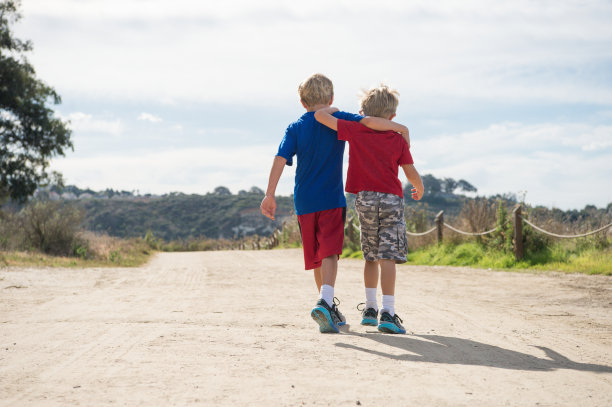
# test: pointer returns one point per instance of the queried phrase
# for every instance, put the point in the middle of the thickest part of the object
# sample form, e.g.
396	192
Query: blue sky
188	95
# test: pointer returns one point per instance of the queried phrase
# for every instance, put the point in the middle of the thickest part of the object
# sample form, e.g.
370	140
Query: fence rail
518	219
565	236
518	230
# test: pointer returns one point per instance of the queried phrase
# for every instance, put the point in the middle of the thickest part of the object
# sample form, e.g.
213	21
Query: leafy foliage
29	133
183	217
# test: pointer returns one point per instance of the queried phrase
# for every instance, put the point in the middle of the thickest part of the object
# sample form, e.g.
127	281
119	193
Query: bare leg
317	277
329	270
370	274
387	277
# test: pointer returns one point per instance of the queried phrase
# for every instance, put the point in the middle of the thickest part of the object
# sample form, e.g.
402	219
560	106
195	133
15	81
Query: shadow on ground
450	350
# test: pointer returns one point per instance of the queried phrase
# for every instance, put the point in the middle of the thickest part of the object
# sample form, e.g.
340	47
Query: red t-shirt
374	158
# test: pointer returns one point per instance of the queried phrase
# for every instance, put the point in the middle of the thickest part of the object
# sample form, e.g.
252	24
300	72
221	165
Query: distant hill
221	214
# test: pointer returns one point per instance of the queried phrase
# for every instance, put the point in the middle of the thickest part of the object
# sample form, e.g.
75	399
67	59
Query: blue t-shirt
318	177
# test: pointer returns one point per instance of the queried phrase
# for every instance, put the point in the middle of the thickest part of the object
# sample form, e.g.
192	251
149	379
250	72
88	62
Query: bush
52	227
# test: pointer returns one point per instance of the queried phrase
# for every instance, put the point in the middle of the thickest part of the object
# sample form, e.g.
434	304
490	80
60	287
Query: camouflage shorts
383	229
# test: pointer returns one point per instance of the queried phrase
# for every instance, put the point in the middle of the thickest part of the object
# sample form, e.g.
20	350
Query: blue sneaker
369	316
328	318
390	324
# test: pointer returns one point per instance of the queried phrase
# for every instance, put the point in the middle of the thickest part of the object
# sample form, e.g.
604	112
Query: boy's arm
268	204
324	116
380	124
415	179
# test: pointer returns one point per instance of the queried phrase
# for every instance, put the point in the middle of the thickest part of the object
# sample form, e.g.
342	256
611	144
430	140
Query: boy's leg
366	205
317	277
329	271
369	313
387	283
390	322
391	250
329	236
370	279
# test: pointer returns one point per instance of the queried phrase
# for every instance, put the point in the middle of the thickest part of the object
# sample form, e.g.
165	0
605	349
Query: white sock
371	298
388	304
327	293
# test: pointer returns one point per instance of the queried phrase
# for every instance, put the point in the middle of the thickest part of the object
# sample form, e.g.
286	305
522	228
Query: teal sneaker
341	317
327	317
369	316
390	324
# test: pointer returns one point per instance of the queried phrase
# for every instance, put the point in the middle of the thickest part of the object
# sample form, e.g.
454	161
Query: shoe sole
322	317
390	329
369	322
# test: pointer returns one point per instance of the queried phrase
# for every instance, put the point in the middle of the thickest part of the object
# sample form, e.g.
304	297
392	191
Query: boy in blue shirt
318	193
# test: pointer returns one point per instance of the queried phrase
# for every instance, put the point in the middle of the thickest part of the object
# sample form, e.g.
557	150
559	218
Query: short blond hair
381	101
315	90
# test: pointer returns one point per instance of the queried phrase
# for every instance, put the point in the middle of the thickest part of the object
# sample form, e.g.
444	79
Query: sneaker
390	324
369	316
326	316
341	317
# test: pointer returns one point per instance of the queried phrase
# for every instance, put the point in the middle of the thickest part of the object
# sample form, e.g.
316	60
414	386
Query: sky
514	97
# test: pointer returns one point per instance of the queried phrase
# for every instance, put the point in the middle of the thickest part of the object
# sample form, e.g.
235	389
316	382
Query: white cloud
83	122
559	165
245	52
193	170
149	117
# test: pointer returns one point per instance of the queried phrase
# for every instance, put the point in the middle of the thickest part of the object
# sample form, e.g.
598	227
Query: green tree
222	191
29	133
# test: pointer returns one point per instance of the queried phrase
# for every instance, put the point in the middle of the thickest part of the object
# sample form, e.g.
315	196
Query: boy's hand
417	194
268	206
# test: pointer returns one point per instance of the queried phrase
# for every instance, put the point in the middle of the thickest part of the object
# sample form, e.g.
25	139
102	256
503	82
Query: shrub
51	227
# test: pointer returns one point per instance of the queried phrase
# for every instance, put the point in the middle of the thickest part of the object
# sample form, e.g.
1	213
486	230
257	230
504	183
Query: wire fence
518	237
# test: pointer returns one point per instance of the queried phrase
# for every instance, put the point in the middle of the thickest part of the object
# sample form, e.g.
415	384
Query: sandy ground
234	328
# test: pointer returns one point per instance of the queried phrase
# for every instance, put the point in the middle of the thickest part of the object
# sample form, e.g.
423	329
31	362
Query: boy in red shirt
374	158
318	194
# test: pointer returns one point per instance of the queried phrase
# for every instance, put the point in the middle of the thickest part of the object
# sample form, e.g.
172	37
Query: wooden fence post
518	233
440	225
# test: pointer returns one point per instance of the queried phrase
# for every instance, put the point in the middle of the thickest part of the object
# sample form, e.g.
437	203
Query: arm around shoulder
380	124
324	116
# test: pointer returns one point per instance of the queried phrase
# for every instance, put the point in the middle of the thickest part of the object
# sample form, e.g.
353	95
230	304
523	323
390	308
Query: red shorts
322	235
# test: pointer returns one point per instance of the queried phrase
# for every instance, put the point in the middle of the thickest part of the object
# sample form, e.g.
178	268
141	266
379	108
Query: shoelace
361	303
336	301
397	317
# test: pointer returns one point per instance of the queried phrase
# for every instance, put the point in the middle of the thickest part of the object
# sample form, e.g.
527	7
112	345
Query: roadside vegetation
46	233
591	255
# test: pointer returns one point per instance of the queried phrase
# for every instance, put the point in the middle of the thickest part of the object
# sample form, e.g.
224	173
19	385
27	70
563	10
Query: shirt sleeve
346	129
405	156
351	117
288	146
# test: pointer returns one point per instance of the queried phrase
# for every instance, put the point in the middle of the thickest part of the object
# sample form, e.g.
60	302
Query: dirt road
233	328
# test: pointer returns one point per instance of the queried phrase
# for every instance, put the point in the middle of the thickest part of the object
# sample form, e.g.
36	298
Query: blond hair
381	101
315	90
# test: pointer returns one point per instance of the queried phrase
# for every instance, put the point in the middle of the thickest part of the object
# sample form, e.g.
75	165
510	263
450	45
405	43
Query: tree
432	184
449	185
256	191
223	191
466	186
29	133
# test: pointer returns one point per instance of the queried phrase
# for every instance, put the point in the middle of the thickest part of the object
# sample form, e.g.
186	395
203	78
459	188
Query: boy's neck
316	107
